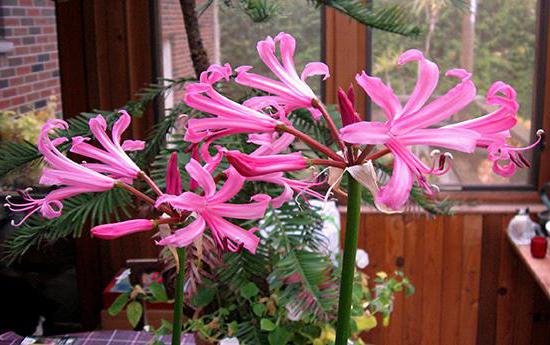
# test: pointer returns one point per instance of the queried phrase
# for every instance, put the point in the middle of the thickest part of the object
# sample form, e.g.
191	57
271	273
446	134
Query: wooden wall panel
345	48
471	288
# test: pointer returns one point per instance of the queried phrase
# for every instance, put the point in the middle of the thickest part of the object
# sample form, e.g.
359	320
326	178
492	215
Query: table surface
539	268
116	337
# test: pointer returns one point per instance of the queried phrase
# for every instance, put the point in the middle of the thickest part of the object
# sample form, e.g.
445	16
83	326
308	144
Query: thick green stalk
348	261
178	292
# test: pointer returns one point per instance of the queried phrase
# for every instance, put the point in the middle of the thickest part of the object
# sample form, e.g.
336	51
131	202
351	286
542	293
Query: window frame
337	28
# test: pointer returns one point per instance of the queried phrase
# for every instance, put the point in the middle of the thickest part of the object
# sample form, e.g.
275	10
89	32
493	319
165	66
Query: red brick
24	89
33	12
9	92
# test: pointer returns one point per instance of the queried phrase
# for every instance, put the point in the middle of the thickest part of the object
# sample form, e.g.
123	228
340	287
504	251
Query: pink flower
116	230
252	165
410	125
212	208
494	129
347	107
113	159
60	171
291	90
230	117
173	177
265	164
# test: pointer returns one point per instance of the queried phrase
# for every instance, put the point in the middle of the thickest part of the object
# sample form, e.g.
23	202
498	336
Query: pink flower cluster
265	119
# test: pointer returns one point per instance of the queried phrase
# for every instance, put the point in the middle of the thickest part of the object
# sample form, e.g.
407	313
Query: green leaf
280	336
134	311
259	309
267	325
118	304
249	290
158	291
203	297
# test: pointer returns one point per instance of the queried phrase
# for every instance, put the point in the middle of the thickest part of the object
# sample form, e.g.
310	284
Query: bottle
521	228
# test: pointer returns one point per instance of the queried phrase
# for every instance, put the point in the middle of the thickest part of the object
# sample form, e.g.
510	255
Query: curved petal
287	47
315	68
202	176
285	196
116	230
230	188
380	93
133	145
505	170
428	76
464	140
443	107
397	191
253	210
187	201
185	236
120	126
364	132
223	229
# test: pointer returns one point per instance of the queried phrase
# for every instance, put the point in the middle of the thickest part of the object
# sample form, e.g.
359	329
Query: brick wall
173	31
29	73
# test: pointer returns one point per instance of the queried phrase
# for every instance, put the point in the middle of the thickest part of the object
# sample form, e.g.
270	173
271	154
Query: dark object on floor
105	338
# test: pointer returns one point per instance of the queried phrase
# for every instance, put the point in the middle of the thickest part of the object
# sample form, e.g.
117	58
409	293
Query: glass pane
238	35
496	41
29	77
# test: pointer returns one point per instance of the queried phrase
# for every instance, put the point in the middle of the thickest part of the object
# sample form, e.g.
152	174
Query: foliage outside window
496	40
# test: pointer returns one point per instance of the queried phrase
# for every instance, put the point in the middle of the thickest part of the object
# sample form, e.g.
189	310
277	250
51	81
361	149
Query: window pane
29	76
238	35
495	42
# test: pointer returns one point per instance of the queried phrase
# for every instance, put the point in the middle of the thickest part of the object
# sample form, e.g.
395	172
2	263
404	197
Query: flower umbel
72	178
290	91
211	209
112	160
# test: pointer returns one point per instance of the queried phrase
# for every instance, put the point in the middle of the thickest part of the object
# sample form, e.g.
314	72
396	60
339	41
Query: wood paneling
346	49
105	57
471	288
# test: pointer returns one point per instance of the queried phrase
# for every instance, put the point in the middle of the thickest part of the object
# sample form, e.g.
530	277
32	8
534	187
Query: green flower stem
178	304
348	261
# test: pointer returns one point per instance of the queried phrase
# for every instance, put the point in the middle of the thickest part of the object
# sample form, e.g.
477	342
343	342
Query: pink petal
222	229
187	201
202	176
397	191
347	111
315	68
451	138
185	236
173	177
133	145
364	132
380	93
116	230
230	188
242	211
248	165
443	107
286	195
120	126
428	76
506	170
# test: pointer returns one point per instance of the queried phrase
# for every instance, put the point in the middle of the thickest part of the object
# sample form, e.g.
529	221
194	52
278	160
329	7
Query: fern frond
393	19
83	209
314	294
249	333
16	155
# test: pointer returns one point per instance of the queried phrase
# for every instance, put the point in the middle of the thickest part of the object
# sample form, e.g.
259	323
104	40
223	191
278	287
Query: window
29	76
496	40
238	35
